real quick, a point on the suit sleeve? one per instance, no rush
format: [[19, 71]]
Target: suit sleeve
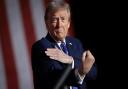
[[74, 78], [46, 71]]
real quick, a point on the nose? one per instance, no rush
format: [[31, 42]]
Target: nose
[[59, 23]]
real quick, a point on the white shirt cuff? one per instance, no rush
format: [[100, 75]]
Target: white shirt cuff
[[72, 64], [81, 78]]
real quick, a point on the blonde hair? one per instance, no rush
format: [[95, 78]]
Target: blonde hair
[[55, 5]]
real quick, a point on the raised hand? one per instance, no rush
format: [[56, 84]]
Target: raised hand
[[87, 62], [59, 55]]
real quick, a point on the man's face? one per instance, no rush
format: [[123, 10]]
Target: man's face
[[58, 24]]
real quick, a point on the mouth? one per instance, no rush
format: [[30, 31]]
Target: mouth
[[59, 31]]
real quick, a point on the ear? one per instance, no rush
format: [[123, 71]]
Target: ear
[[69, 24]]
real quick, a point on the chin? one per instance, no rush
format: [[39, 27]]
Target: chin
[[60, 38]]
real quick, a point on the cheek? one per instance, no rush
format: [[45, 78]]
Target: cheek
[[53, 25], [66, 27]]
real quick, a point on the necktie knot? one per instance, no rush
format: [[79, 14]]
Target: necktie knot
[[63, 47]]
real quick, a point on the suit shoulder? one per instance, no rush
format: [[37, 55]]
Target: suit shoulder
[[73, 39], [43, 43], [38, 42]]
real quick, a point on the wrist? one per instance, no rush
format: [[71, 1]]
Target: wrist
[[81, 73], [71, 60]]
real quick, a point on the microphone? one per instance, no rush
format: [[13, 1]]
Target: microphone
[[63, 77]]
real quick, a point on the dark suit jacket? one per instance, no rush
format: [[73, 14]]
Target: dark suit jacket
[[47, 72]]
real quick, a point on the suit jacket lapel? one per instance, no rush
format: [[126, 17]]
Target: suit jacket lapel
[[69, 44], [69, 47], [51, 41]]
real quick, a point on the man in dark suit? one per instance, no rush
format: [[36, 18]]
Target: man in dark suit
[[59, 61]]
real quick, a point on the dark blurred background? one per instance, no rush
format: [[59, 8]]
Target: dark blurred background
[[88, 24], [101, 28]]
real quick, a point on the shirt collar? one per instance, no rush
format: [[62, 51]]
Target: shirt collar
[[59, 42]]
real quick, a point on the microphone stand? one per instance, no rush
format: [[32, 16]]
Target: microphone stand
[[63, 77]]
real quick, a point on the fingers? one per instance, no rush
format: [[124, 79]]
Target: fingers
[[87, 62], [51, 51], [89, 55], [83, 56], [54, 53], [58, 55]]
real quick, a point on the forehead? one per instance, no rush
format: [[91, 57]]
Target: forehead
[[59, 12]]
